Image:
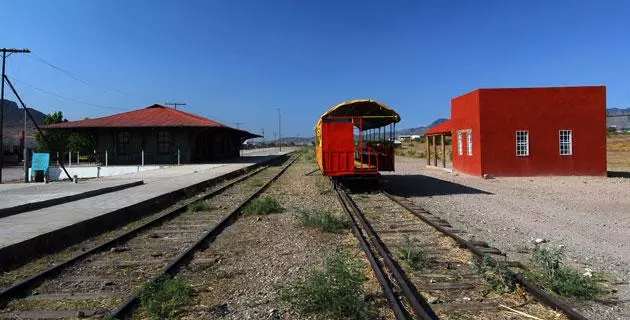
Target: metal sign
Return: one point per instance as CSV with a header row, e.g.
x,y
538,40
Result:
x,y
40,161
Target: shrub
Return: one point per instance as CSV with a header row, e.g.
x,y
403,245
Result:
x,y
413,256
263,205
198,206
547,271
497,278
335,290
323,220
163,297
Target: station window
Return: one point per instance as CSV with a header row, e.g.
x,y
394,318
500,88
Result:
x,y
566,142
522,143
122,142
460,147
164,142
470,146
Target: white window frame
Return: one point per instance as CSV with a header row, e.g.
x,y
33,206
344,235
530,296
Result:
x,y
460,147
470,142
523,143
566,142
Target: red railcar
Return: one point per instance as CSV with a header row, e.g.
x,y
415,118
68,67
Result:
x,y
355,139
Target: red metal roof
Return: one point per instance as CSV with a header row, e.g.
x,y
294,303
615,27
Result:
x,y
153,116
444,127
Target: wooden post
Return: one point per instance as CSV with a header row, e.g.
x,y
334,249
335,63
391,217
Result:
x,y
443,151
435,151
427,141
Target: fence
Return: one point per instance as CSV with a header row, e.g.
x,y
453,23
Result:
x,y
106,158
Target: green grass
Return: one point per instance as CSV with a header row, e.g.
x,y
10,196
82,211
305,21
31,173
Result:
x,y
497,278
334,291
414,257
164,297
323,220
198,206
548,271
263,205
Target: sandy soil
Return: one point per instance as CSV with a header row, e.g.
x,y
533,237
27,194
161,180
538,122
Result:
x,y
589,215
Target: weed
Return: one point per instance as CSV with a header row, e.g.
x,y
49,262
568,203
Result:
x,y
198,206
163,297
547,271
498,278
413,256
323,220
335,291
263,205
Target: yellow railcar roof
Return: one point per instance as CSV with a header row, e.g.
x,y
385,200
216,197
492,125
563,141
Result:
x,y
374,113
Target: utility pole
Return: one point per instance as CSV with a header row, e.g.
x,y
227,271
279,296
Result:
x,y
279,130
263,135
175,104
4,58
237,124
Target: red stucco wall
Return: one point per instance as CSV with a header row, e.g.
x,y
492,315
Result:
x,y
464,116
543,112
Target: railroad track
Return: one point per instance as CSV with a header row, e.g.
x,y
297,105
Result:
x,y
105,280
444,285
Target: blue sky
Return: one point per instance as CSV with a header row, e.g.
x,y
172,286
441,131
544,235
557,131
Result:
x,y
237,61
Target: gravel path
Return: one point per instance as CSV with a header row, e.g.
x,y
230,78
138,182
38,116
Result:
x,y
589,215
241,275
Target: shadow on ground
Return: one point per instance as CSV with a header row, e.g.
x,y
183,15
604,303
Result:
x,y
418,185
618,174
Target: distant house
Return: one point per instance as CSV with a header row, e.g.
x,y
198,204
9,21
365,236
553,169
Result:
x,y
159,135
527,131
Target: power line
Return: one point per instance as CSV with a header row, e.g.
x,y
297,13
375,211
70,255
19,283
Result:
x,y
83,80
64,97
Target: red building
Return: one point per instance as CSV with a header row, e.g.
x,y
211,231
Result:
x,y
527,131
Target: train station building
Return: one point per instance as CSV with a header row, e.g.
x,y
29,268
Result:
x,y
158,135
525,132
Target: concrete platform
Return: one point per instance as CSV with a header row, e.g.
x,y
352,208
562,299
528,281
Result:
x,y
22,197
26,235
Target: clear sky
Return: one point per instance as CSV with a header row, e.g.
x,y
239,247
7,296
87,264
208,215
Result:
x,y
238,61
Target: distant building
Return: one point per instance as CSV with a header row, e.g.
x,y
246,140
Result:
x,y
160,135
528,131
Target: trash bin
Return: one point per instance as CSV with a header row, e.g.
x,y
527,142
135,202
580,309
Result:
x,y
39,175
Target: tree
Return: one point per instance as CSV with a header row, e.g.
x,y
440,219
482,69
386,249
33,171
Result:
x,y
62,141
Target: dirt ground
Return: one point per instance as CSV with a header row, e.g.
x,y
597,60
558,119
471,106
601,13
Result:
x,y
618,155
588,215
242,274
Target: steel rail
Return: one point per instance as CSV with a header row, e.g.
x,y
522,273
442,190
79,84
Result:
x,y
419,305
394,303
20,289
125,309
530,287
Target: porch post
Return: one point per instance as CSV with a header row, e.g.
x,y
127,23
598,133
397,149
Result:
x,y
106,157
427,140
443,151
435,155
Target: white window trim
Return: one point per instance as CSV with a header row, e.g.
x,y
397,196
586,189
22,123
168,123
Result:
x,y
570,142
460,147
470,142
526,143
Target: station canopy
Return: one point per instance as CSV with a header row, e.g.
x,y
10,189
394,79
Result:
x,y
373,113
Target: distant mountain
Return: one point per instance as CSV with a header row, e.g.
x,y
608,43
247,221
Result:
x,y
419,130
298,140
14,124
618,117
436,122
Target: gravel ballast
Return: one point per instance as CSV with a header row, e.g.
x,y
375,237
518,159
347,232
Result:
x,y
588,215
